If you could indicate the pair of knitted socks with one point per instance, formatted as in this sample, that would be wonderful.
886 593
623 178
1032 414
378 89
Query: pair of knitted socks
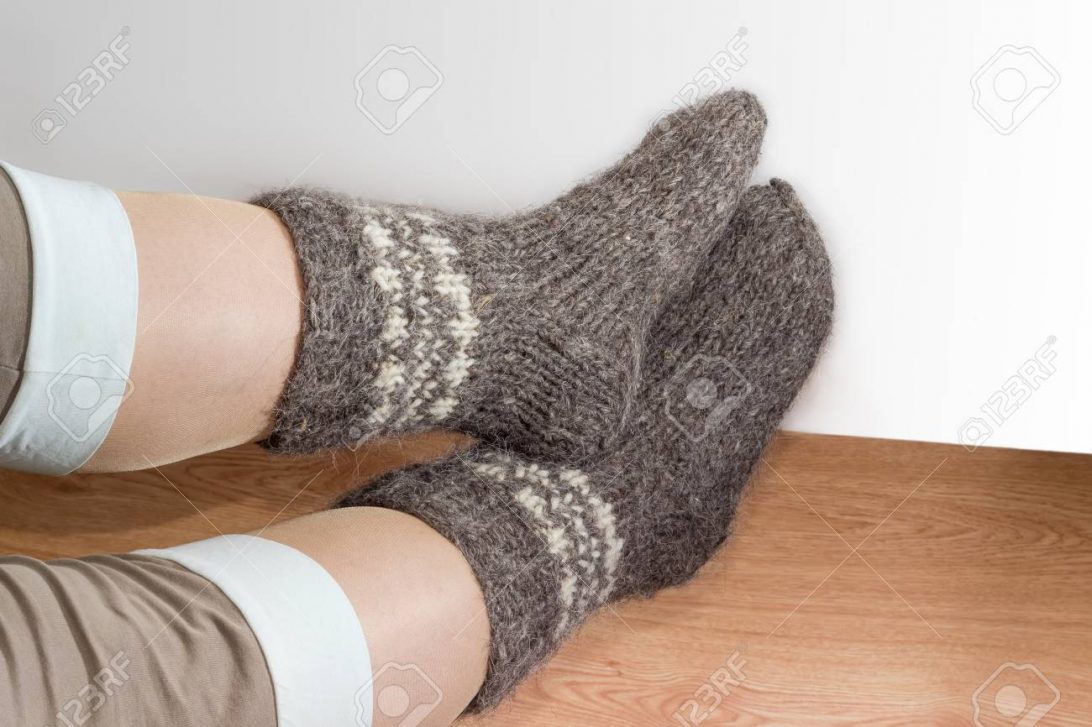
623 353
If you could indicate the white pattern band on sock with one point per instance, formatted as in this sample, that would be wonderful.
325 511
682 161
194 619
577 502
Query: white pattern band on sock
577 526
314 646
415 268
83 319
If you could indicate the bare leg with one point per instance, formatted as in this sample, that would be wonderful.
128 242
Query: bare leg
417 599
217 329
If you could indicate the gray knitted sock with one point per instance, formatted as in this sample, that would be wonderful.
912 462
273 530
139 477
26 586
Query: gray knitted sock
550 544
525 331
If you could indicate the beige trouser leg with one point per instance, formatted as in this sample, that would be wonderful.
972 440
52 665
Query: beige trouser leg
125 641
14 289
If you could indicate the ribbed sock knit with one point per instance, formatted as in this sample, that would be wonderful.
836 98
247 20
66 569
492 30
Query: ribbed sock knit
551 544
527 331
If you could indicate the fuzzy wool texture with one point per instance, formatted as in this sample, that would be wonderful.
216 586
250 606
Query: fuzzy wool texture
551 544
527 332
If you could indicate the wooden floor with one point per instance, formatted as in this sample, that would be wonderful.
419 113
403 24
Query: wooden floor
869 582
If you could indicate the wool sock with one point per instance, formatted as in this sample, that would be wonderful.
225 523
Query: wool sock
526 331
551 544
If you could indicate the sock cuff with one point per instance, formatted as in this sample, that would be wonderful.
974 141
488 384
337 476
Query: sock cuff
389 319
543 543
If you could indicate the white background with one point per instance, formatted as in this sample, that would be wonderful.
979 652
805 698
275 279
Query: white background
958 250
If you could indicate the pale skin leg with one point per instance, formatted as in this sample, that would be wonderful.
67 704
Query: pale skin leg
416 597
218 324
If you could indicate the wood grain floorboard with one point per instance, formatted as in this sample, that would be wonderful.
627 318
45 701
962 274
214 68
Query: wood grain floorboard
868 582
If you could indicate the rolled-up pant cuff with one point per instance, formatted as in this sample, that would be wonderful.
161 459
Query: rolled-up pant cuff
76 338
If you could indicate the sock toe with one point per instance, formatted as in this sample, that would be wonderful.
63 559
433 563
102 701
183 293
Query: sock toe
726 110
685 175
783 234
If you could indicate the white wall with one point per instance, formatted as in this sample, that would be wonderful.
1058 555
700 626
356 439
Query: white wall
959 250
